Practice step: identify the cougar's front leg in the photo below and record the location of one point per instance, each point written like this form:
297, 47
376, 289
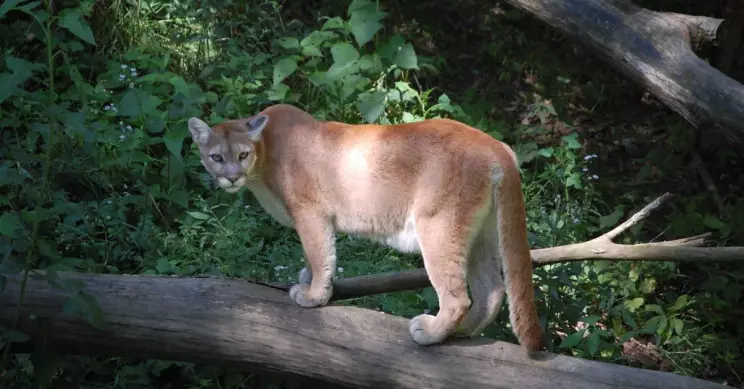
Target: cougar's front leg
319, 244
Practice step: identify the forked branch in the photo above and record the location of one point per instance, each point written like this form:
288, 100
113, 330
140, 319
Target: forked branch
600, 248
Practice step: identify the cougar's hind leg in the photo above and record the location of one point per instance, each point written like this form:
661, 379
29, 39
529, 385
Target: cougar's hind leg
486, 283
444, 251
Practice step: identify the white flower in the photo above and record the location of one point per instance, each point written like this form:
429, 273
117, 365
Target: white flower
279, 267
123, 66
340, 269
594, 176
122, 76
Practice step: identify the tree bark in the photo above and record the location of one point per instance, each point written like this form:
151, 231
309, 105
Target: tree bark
655, 50
238, 324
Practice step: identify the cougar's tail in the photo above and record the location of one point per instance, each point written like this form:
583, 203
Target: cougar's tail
515, 255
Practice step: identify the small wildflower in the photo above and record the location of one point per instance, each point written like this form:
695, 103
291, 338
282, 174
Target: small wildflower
340, 269
129, 128
131, 85
279, 267
122, 138
575, 221
122, 76
585, 169
123, 66
426, 311
594, 176
107, 108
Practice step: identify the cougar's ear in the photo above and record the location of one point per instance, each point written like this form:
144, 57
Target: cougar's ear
199, 131
256, 126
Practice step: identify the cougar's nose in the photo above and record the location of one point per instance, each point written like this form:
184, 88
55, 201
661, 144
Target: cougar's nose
232, 178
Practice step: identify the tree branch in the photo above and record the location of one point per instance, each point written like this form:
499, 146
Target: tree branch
600, 248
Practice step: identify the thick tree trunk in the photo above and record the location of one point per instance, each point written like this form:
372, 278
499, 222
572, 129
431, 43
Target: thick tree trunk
239, 324
655, 50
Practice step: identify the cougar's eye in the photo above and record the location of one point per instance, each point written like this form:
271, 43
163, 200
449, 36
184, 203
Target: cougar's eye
243, 155
216, 157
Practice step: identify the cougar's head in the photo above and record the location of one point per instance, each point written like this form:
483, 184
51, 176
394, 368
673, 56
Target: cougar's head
228, 151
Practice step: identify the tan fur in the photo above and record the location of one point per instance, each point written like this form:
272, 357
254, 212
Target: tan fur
437, 187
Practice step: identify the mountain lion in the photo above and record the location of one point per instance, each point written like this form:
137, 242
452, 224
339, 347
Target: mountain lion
436, 187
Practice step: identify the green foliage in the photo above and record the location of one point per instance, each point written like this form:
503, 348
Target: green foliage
98, 174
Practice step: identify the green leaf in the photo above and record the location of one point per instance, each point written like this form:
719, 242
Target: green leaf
654, 308
180, 85
334, 23
154, 124
8, 5
570, 141
574, 180
634, 304
74, 22
163, 266
15, 336
173, 140
365, 24
546, 152
628, 318
406, 57
136, 102
653, 324
284, 68
8, 224
591, 319
344, 58
611, 219
713, 222
593, 343
288, 42
311, 51
677, 324
371, 105
572, 340
680, 303
198, 215
21, 70
278, 92
318, 38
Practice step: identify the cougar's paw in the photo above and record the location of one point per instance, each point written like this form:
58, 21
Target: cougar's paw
305, 276
301, 295
421, 328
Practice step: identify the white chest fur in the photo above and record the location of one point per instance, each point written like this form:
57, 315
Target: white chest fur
271, 204
405, 240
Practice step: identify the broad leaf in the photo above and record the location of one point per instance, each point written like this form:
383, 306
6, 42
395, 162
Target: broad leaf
371, 105
73, 21
406, 57
284, 68
8, 224
136, 102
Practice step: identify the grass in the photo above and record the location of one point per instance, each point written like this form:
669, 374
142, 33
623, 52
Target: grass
98, 174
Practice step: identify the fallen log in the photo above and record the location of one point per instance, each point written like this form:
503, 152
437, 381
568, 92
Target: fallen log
655, 49
243, 325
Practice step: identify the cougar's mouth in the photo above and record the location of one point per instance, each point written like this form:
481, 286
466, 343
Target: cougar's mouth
231, 186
